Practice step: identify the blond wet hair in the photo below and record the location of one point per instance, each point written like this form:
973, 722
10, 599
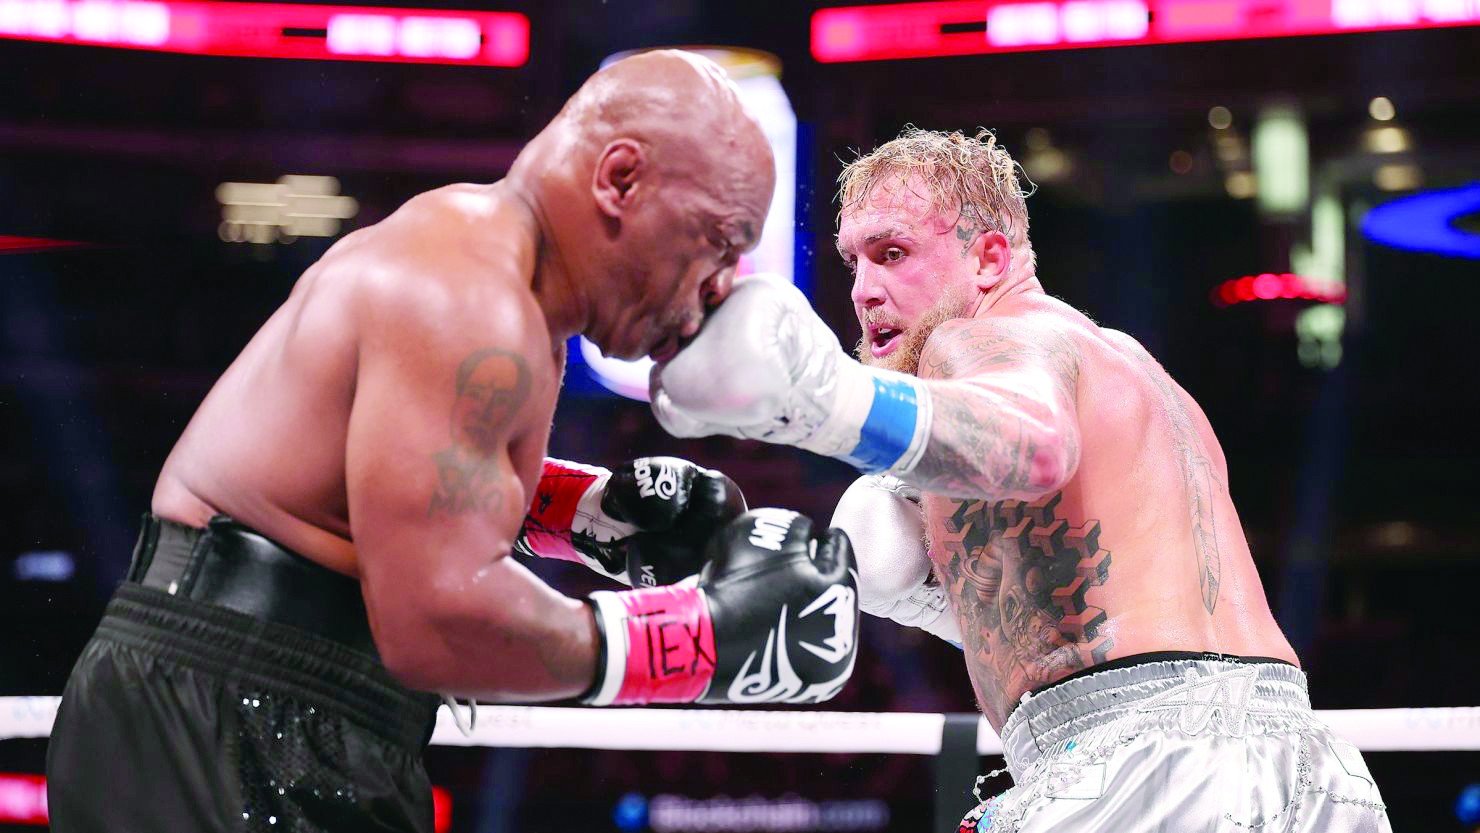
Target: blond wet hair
968, 177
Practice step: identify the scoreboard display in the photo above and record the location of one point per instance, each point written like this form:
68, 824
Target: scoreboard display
957, 27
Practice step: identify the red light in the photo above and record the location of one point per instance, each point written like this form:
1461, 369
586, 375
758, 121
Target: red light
276, 30
441, 810
933, 29
901, 30
1269, 286
22, 798
1244, 289
21, 245
23, 801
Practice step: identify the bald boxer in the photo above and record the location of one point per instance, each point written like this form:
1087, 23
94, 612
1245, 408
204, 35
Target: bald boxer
331, 535
1040, 491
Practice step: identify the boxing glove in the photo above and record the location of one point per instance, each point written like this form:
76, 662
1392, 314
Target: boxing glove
765, 367
594, 516
881, 515
772, 618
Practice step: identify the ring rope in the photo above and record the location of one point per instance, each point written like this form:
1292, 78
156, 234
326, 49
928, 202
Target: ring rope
735, 730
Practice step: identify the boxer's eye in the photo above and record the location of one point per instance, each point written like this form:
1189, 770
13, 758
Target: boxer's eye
893, 254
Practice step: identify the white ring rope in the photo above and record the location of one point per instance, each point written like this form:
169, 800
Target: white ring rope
725, 730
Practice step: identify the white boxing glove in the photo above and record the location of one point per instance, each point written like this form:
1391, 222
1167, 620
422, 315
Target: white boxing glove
765, 367
881, 515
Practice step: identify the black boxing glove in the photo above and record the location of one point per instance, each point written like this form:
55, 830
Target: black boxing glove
592, 515
678, 507
773, 618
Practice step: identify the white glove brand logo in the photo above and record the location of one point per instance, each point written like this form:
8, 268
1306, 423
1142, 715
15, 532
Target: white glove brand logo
837, 602
771, 526
663, 486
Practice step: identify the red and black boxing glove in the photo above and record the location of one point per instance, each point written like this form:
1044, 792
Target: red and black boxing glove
597, 517
773, 618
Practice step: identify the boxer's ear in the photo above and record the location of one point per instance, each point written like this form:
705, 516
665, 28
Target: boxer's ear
992, 256
618, 170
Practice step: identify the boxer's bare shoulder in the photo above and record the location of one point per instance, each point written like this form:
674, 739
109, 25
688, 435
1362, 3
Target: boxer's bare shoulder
1031, 372
438, 297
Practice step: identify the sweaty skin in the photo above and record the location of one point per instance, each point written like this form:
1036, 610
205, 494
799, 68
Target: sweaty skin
1076, 499
389, 421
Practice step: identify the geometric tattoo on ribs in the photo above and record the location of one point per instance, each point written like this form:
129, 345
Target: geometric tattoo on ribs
1019, 576
491, 385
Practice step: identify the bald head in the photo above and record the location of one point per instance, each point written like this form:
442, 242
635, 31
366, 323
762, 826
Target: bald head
687, 113
651, 182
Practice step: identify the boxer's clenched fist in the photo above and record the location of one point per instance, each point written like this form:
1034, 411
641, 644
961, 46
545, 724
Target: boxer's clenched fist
765, 367
645, 524
676, 507
773, 618
881, 515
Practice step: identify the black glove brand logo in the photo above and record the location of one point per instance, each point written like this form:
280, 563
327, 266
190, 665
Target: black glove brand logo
837, 602
771, 526
664, 486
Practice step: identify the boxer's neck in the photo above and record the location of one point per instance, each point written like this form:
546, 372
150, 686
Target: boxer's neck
1016, 282
562, 299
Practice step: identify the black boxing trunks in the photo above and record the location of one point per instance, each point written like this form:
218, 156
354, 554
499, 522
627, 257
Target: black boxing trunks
233, 685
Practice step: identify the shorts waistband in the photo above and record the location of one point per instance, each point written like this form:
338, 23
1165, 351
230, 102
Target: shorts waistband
228, 564
277, 658
1190, 694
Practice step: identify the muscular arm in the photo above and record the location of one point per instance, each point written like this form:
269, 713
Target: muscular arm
444, 388
1004, 423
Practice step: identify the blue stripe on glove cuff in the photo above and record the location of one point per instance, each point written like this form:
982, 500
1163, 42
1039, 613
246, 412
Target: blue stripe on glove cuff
890, 428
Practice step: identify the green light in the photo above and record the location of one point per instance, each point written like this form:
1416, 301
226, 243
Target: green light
1281, 157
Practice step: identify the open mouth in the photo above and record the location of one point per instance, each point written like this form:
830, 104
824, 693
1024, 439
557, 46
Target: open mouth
883, 340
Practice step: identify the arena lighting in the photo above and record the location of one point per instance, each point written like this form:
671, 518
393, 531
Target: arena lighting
275, 30
954, 27
54, 566
295, 206
1381, 109
23, 801
1425, 222
1280, 152
11, 245
22, 798
1271, 287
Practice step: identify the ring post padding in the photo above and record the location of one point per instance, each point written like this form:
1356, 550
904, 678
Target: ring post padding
956, 768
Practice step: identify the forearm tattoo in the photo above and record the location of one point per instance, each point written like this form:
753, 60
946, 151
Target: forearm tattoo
984, 441
491, 386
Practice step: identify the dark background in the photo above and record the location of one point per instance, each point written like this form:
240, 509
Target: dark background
1354, 484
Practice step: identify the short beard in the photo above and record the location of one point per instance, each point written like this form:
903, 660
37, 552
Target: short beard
906, 357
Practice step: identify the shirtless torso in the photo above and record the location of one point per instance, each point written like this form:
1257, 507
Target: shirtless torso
268, 446
1140, 551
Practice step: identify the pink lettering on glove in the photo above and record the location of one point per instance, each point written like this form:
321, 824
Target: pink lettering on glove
670, 639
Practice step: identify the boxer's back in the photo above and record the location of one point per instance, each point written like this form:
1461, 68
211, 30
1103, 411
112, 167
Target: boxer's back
1142, 551
267, 446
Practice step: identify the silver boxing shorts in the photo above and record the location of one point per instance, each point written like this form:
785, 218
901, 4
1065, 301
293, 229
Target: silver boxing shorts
1187, 746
